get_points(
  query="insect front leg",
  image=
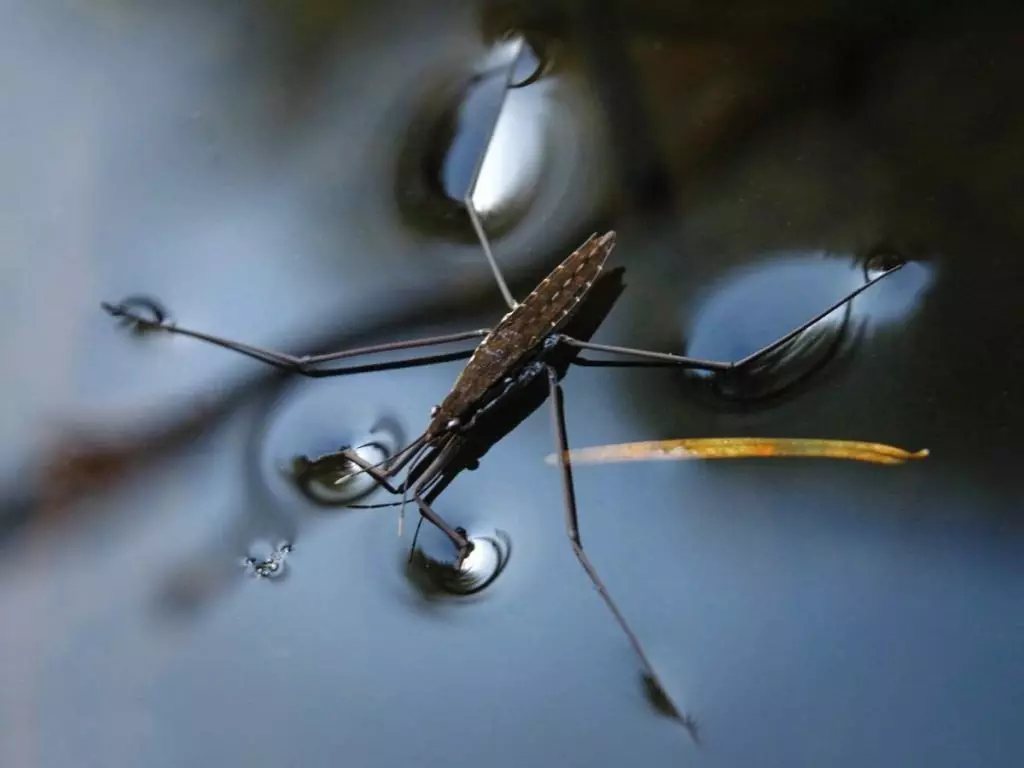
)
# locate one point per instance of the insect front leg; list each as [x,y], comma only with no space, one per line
[456,535]
[652,683]
[395,464]
[146,315]
[717,365]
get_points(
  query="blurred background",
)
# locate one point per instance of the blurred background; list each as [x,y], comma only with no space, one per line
[287,174]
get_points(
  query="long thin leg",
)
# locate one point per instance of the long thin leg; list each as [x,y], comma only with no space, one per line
[474,216]
[716,365]
[302,365]
[409,454]
[485,243]
[436,467]
[416,490]
[383,475]
[573,530]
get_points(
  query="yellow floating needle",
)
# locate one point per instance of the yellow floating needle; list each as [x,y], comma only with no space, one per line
[741,448]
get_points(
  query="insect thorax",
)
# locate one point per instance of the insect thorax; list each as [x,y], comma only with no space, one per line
[498,361]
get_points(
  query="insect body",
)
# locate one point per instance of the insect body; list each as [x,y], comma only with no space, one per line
[518,333]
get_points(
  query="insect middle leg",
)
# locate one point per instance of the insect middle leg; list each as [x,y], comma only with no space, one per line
[722,366]
[461,543]
[305,365]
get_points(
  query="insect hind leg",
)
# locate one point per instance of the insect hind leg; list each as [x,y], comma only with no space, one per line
[656,691]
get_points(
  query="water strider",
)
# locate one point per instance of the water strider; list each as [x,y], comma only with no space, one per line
[515,354]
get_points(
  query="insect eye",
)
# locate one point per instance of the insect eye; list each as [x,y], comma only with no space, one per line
[433,410]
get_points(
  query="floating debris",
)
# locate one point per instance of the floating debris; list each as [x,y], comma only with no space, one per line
[741,448]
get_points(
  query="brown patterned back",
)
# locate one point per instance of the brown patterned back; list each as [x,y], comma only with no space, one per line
[545,310]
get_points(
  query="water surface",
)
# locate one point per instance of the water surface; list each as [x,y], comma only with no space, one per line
[242,165]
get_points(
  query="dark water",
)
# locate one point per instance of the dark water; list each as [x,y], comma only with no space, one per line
[250,167]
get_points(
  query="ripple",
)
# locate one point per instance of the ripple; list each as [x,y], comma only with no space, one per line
[140,313]
[432,569]
[756,307]
[312,423]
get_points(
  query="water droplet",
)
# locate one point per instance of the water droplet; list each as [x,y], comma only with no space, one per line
[266,561]
[437,575]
